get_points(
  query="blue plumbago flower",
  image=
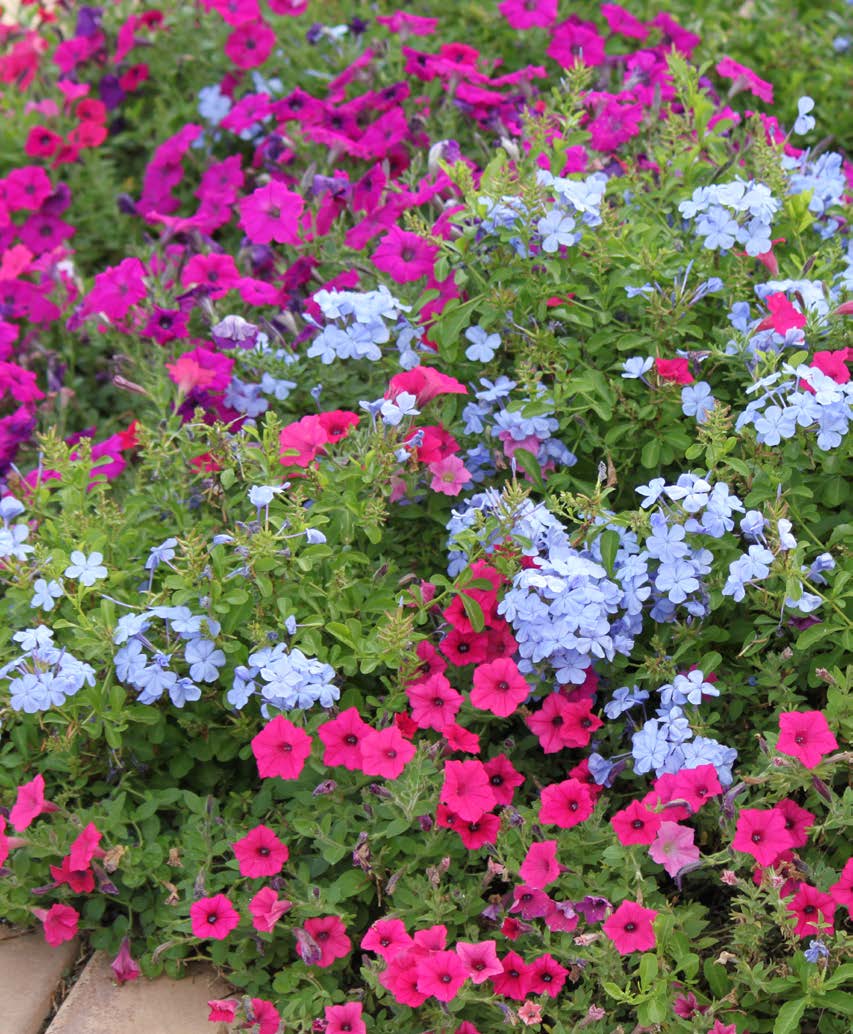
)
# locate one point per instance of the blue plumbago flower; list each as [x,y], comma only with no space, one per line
[262,495]
[10,508]
[637,365]
[666,543]
[393,412]
[483,345]
[204,658]
[649,747]
[184,691]
[130,661]
[786,539]
[245,398]
[161,554]
[623,700]
[558,230]
[86,569]
[806,603]
[634,292]
[13,542]
[688,689]
[752,524]
[213,105]
[314,537]
[815,951]
[493,391]
[31,639]
[286,680]
[45,592]
[697,400]
[677,579]
[651,492]
[277,388]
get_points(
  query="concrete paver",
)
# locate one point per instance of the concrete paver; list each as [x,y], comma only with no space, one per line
[30,972]
[97,1005]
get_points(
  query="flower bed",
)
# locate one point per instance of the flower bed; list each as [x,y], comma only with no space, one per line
[426,578]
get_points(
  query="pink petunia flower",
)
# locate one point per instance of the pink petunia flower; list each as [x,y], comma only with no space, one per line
[449,475]
[342,737]
[503,778]
[499,687]
[265,1015]
[29,804]
[267,908]
[441,974]
[566,804]
[745,78]
[213,917]
[762,834]
[529,14]
[674,370]
[281,749]
[806,736]
[814,911]
[60,923]
[386,937]
[540,866]
[330,936]
[630,928]
[466,789]
[222,1010]
[344,1019]
[404,256]
[124,967]
[547,976]
[272,213]
[434,702]
[260,853]
[250,44]
[480,960]
[673,847]
[635,824]
[514,981]
[842,889]
[385,753]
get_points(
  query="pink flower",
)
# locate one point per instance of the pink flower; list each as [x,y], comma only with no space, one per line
[425,383]
[547,976]
[404,256]
[222,1010]
[503,778]
[805,735]
[434,702]
[385,753]
[260,853]
[761,834]
[201,370]
[842,889]
[673,847]
[675,370]
[123,965]
[528,14]
[213,917]
[441,974]
[449,475]
[267,908]
[281,749]
[386,937]
[499,687]
[540,866]
[623,22]
[745,78]
[342,738]
[635,824]
[566,804]
[480,960]
[514,981]
[630,928]
[250,44]
[29,804]
[60,923]
[466,789]
[344,1019]
[783,315]
[265,1015]
[301,442]
[85,848]
[271,213]
[814,911]
[330,936]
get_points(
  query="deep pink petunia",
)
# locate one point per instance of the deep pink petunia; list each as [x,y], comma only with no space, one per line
[797,821]
[635,824]
[267,908]
[475,833]
[404,256]
[434,702]
[630,928]
[29,804]
[222,1010]
[281,749]
[466,789]
[814,911]
[385,753]
[250,44]
[540,866]
[762,834]
[529,14]
[330,936]
[59,921]
[213,917]
[499,687]
[674,370]
[842,889]
[272,213]
[386,937]
[503,778]
[480,959]
[425,383]
[85,848]
[547,976]
[342,737]
[566,804]
[125,968]
[260,853]
[344,1019]
[514,981]
[806,736]
[441,974]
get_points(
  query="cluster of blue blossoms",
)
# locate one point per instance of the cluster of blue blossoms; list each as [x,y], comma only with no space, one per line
[358,323]
[284,679]
[43,675]
[726,213]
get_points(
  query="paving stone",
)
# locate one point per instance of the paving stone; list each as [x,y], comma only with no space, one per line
[30,972]
[97,1005]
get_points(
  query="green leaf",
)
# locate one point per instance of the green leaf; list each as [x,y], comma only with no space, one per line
[648,969]
[474,612]
[528,462]
[789,1016]
[650,456]
[609,543]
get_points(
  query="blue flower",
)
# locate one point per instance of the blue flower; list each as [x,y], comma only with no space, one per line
[393,411]
[557,229]
[483,345]
[161,554]
[634,367]
[45,593]
[184,691]
[697,400]
[652,492]
[86,569]
[205,659]
[649,747]
[815,951]
[262,495]
[623,700]
[805,123]
[677,580]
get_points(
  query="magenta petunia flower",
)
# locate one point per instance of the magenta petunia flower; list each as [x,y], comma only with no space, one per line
[213,917]
[260,853]
[449,475]
[59,921]
[342,737]
[222,1010]
[477,832]
[29,804]
[499,687]
[673,847]
[272,213]
[806,736]
[842,889]
[434,702]
[540,866]
[441,974]
[566,804]
[503,778]
[814,911]
[630,928]
[250,44]
[635,824]
[344,1019]
[385,753]
[514,981]
[386,937]
[797,821]
[281,749]
[762,834]
[404,256]
[466,789]
[267,908]
[124,966]
[330,936]
[480,960]
[529,14]
[547,976]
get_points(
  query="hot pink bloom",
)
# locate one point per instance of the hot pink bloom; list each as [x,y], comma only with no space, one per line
[574,40]
[222,1010]
[250,44]
[530,902]
[410,24]
[85,848]
[499,687]
[218,273]
[425,383]
[480,960]
[797,821]
[117,290]
[503,778]
[459,738]
[60,923]
[434,702]
[201,370]
[267,908]
[466,789]
[29,804]
[635,824]
[540,866]
[630,928]
[673,847]
[696,785]
[547,976]
[4,841]
[805,735]
[272,213]
[842,890]
[281,749]
[81,881]
[404,256]
[123,965]
[342,737]
[330,935]
[783,315]
[514,982]
[449,475]
[213,917]
[337,423]
[344,1019]
[527,14]
[385,753]
[260,853]
[477,832]
[301,442]
[266,1016]
[441,974]
[566,804]
[386,937]
[834,364]
[27,188]
[623,22]
[401,978]
[761,834]
[675,370]
[814,911]
[745,78]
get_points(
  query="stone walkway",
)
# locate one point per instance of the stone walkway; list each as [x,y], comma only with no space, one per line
[31,975]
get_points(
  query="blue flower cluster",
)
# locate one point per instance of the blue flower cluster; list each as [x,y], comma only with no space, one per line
[786,405]
[823,178]
[357,324]
[45,675]
[726,213]
[13,537]
[577,204]
[145,666]
[284,679]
